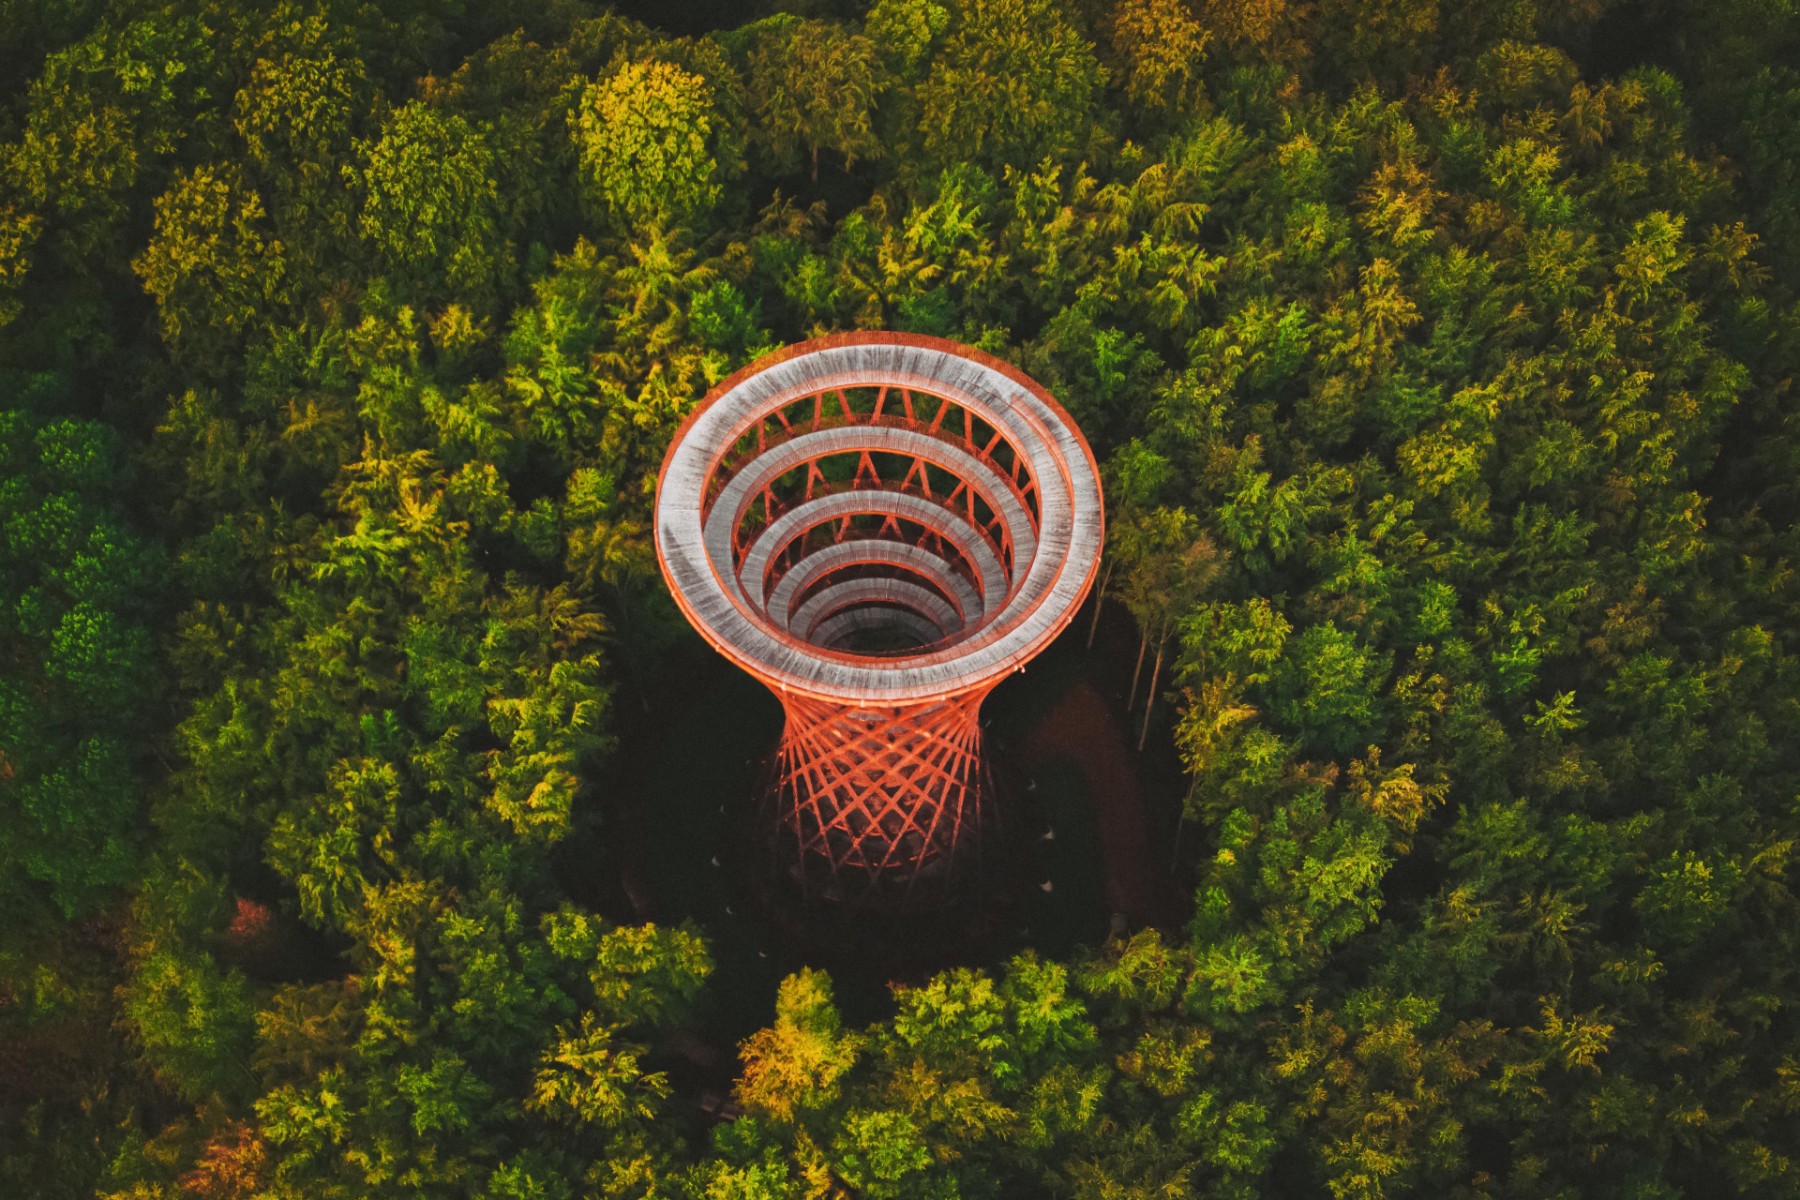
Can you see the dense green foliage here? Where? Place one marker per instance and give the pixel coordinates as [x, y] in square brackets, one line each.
[1440, 358]
[77, 586]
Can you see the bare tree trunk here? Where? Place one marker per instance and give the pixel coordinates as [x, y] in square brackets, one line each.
[1137, 673]
[815, 164]
[1099, 599]
[1150, 700]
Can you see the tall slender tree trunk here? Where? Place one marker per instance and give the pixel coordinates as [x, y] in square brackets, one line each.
[1099, 599]
[1137, 673]
[1150, 700]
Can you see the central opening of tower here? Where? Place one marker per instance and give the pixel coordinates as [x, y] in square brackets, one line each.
[876, 520]
[880, 527]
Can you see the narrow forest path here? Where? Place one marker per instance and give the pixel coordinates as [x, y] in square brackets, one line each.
[1082, 729]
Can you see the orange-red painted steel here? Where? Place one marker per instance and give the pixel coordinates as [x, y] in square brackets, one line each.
[940, 516]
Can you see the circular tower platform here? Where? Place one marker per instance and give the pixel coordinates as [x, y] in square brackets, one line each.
[880, 527]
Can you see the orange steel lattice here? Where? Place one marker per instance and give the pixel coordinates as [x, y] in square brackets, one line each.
[880, 527]
[881, 803]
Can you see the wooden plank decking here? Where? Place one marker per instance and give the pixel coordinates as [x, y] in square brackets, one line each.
[1017, 612]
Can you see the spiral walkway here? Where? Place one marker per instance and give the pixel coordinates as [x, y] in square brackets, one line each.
[880, 527]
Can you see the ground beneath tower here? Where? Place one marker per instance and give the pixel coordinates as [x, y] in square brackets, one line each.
[667, 818]
[1081, 729]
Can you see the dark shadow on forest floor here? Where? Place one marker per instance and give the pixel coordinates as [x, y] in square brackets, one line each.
[687, 771]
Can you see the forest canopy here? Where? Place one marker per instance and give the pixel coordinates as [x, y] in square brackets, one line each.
[1439, 358]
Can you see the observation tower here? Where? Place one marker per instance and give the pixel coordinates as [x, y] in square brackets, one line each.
[880, 527]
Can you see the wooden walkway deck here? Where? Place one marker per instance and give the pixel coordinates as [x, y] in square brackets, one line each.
[725, 589]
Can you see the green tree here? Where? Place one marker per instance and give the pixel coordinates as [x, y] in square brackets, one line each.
[653, 147]
[1159, 46]
[905, 31]
[1166, 565]
[796, 1064]
[194, 1022]
[814, 87]
[211, 264]
[431, 209]
[18, 231]
[102, 116]
[1324, 688]
[1014, 82]
[77, 587]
